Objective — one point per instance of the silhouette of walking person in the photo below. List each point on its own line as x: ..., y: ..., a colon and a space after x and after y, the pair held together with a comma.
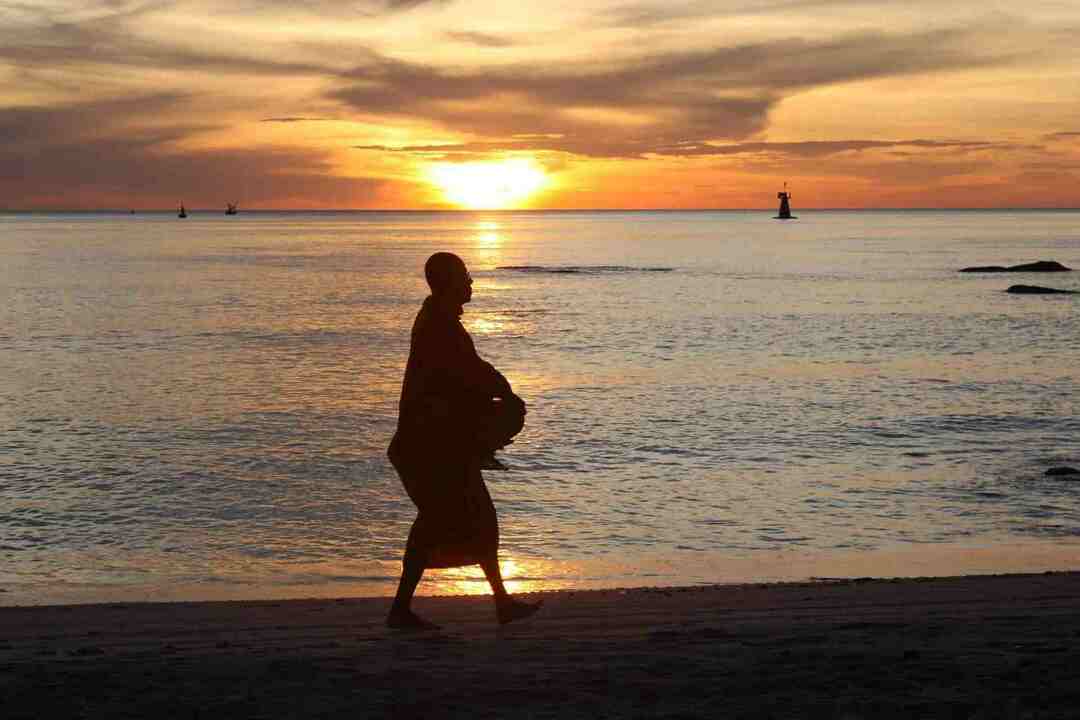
x: 455, y: 411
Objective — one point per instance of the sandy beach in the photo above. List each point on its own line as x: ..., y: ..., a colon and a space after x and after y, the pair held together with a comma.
x: 968, y: 647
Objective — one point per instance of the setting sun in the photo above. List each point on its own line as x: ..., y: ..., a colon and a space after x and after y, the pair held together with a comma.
x: 488, y: 185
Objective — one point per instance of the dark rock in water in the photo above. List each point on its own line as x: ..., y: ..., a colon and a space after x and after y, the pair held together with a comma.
x: 1040, y: 266
x: 1061, y: 472
x: 581, y: 269
x: 1038, y: 290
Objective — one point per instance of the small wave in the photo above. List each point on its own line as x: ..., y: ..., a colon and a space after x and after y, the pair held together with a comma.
x: 581, y: 269
x: 512, y: 313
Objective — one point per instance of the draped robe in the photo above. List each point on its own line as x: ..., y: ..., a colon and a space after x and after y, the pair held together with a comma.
x: 452, y: 411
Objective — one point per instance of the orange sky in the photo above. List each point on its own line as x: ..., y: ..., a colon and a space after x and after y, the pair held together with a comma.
x: 592, y: 104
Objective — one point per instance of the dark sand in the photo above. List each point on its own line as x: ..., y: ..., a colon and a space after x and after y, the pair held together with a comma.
x: 972, y: 647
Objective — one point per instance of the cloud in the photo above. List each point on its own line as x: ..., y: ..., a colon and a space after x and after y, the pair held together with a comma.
x: 32, y: 127
x: 818, y: 148
x: 90, y: 155
x: 649, y: 104
x: 409, y: 4
x: 711, y: 102
x: 110, y: 42
x: 659, y: 103
x: 644, y: 15
x: 805, y: 149
x: 337, y: 8
x: 294, y: 119
x: 481, y: 39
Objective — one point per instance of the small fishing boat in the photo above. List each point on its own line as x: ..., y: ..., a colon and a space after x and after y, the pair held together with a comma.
x: 784, y: 213
x: 230, y: 209
x: 182, y: 213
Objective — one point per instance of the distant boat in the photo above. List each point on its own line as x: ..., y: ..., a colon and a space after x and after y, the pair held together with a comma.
x: 182, y: 213
x: 231, y: 209
x: 784, y: 213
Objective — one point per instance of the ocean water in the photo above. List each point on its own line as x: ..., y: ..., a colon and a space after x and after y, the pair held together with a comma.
x: 200, y: 408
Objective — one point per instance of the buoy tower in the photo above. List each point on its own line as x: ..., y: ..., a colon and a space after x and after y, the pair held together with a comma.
x: 784, y: 213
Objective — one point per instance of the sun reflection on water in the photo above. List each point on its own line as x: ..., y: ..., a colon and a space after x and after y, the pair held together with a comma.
x: 520, y: 576
x: 490, y: 324
x: 487, y: 245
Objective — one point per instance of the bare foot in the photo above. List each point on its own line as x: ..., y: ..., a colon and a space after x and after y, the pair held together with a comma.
x: 408, y: 620
x: 511, y: 610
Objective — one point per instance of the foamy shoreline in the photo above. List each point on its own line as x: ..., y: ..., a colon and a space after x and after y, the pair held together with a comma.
x: 664, y: 569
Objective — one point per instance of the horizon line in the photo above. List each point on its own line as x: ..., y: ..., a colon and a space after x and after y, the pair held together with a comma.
x: 218, y: 211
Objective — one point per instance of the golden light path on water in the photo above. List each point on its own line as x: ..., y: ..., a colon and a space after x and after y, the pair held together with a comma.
x: 487, y: 254
x: 647, y: 569
x: 488, y: 242
x: 534, y: 575
x: 520, y: 576
x: 767, y: 408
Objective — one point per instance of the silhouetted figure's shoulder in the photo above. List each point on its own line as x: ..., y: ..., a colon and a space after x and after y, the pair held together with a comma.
x: 443, y: 358
x: 438, y: 322
x: 434, y: 312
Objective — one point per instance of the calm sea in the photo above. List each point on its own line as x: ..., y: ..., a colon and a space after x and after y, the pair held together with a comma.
x: 200, y: 408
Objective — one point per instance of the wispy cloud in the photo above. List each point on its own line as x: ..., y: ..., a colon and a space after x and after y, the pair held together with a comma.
x: 650, y: 104
x: 646, y: 14
x: 293, y: 119
x: 804, y: 149
x: 108, y: 42
x: 338, y: 8
x: 481, y: 39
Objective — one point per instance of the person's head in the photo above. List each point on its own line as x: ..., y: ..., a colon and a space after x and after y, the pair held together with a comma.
x: 448, y: 277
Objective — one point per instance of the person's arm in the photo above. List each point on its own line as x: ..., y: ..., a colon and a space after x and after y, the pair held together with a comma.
x: 494, y: 381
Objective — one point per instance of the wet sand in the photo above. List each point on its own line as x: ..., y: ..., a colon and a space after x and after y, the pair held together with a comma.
x: 970, y: 647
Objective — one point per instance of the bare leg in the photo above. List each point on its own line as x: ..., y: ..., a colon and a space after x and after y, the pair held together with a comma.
x: 490, y: 564
x: 507, y: 609
x: 401, y: 614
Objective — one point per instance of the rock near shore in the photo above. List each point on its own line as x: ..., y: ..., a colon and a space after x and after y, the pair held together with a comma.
x: 1038, y: 290
x: 1063, y: 471
x: 1040, y: 266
